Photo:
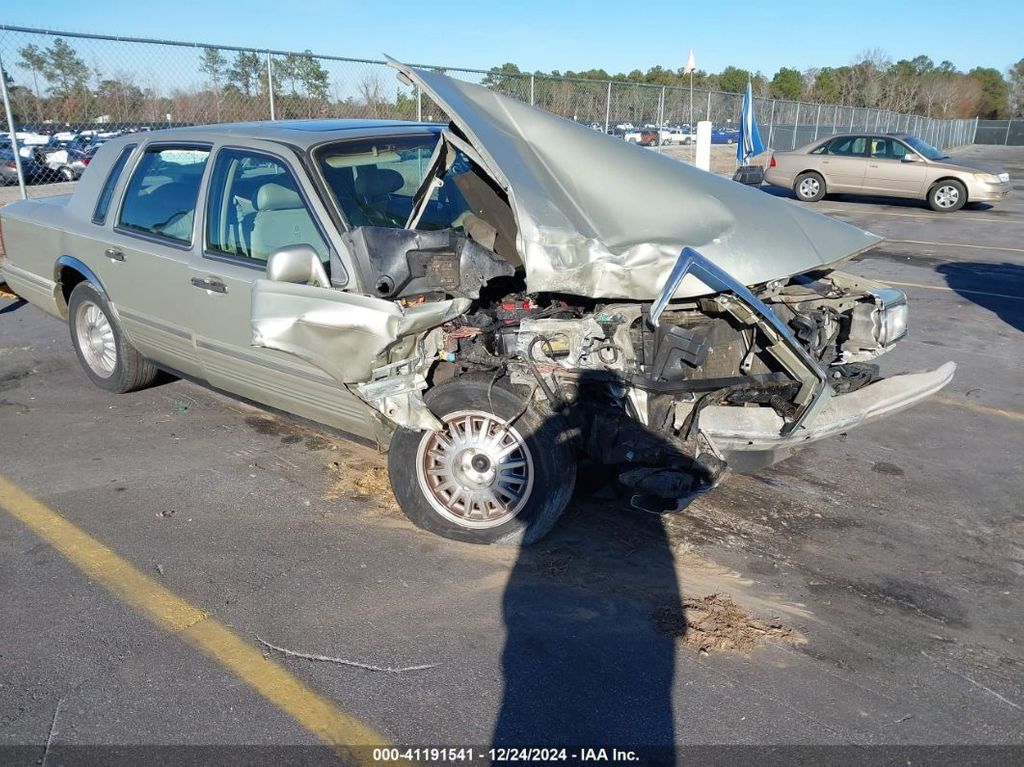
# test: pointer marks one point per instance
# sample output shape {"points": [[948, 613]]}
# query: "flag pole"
{"points": [[693, 133]]}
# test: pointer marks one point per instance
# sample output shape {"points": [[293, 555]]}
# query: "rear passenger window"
{"points": [[255, 208], [162, 193], [99, 216], [849, 146]]}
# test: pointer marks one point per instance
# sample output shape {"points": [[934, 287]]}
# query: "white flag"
{"points": [[691, 64]]}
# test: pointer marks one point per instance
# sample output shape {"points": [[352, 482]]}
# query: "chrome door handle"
{"points": [[114, 254], [210, 283]]}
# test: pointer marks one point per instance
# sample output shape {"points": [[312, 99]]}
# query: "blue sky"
{"points": [[614, 35]]}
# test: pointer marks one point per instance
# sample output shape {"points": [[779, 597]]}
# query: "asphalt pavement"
{"points": [[865, 591]]}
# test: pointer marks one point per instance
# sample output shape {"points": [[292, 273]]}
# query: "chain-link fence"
{"points": [[68, 92], [1005, 132]]}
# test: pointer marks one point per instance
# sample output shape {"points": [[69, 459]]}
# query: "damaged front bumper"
{"points": [[749, 437]]}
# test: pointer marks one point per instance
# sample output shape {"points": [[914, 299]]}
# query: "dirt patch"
{"points": [[6, 292], [714, 623], [360, 480]]}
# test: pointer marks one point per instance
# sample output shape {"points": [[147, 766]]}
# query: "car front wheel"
{"points": [[496, 473], [947, 196], [809, 187], [106, 355]]}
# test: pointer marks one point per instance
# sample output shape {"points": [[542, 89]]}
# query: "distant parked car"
{"points": [[643, 137], [887, 165], [75, 163], [9, 170], [725, 135], [677, 136]]}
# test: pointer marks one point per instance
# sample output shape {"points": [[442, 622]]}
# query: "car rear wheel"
{"points": [[809, 186], [947, 196], [106, 355], [496, 473], [67, 174]]}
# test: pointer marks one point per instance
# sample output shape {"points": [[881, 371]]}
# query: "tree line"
{"points": [[873, 80], [58, 85], [61, 87]]}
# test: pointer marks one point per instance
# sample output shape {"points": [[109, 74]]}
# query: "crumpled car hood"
{"points": [[601, 218]]}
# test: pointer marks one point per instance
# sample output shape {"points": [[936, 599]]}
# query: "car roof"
{"points": [[894, 134], [298, 133]]}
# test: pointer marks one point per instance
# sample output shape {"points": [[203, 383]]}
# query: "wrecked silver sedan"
{"points": [[496, 300]]}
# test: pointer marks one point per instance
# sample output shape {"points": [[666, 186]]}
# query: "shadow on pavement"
{"points": [[996, 287], [14, 306], [593, 614], [893, 202]]}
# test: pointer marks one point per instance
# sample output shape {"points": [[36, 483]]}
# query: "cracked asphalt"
{"points": [[888, 561]]}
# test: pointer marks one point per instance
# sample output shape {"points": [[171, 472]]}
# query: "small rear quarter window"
{"points": [[99, 216]]}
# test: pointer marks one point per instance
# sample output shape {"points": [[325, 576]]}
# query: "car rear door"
{"points": [[844, 163], [142, 249], [254, 205], [888, 173]]}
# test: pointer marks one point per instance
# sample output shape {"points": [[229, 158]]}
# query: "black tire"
{"points": [[550, 465], [947, 196], [128, 370], [809, 186], [67, 174]]}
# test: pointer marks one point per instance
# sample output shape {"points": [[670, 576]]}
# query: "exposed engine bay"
{"points": [[629, 384]]}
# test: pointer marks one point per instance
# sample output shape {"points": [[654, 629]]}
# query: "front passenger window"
{"points": [[256, 207], [161, 196]]}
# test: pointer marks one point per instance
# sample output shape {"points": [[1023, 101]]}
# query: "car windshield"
{"points": [[375, 181], [924, 148]]}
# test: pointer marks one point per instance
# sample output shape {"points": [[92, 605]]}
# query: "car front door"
{"points": [[142, 256], [254, 206], [890, 173], [843, 164]]}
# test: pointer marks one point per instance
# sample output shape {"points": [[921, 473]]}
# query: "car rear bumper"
{"points": [[759, 429], [775, 178]]}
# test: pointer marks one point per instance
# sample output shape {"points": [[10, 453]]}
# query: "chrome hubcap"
{"points": [[947, 196], [95, 339], [477, 472], [809, 187]]}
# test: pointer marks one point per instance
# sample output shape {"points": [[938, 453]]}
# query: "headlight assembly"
{"points": [[890, 316]]}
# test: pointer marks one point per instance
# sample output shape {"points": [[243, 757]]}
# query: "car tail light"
{"points": [[12, 165], [86, 160], [771, 163]]}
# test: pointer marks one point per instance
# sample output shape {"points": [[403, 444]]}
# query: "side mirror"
{"points": [[911, 157], [297, 263]]}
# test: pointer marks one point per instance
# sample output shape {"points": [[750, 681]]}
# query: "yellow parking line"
{"points": [[1013, 415], [169, 611], [956, 290]]}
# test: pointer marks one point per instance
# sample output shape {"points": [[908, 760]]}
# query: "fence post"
{"points": [[608, 107], [1006, 141], [817, 122], [771, 125], [531, 91], [708, 115], [270, 85], [853, 116], [419, 105], [661, 115], [14, 133], [796, 125]]}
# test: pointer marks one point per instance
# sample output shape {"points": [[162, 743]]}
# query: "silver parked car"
{"points": [[886, 165], [493, 300]]}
